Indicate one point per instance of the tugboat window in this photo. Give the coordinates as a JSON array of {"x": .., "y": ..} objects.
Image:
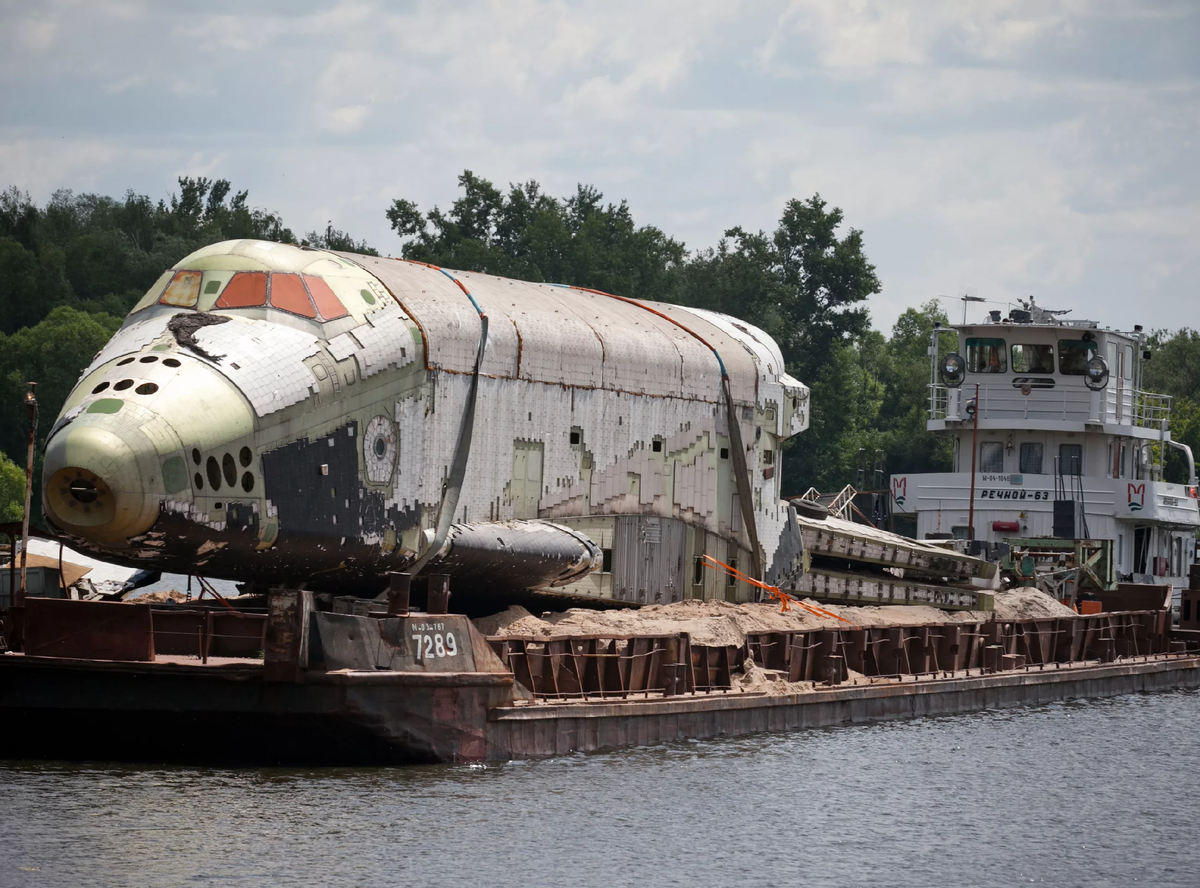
[
  {"x": 1031, "y": 459},
  {"x": 1073, "y": 356},
  {"x": 986, "y": 356},
  {"x": 1070, "y": 459},
  {"x": 991, "y": 456},
  {"x": 1033, "y": 358}
]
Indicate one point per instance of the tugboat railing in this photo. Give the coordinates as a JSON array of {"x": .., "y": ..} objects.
[{"x": 1131, "y": 407}]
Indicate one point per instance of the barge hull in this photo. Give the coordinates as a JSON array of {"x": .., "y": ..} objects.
[
  {"x": 538, "y": 732},
  {"x": 159, "y": 712},
  {"x": 145, "y": 712}
]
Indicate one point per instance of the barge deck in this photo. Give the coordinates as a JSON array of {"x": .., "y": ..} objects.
[{"x": 343, "y": 688}]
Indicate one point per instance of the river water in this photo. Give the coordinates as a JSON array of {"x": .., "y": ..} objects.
[{"x": 1084, "y": 793}]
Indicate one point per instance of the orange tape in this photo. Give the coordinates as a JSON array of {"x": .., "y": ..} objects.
[{"x": 775, "y": 592}]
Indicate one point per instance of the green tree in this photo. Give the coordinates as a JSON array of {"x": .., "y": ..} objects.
[
  {"x": 30, "y": 284},
  {"x": 804, "y": 285},
  {"x": 529, "y": 235},
  {"x": 334, "y": 239},
  {"x": 1175, "y": 370},
  {"x": 99, "y": 254},
  {"x": 905, "y": 405},
  {"x": 12, "y": 491},
  {"x": 846, "y": 396},
  {"x": 52, "y": 353}
]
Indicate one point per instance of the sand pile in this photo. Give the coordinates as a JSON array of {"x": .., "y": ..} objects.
[
  {"x": 709, "y": 622},
  {"x": 754, "y": 679},
  {"x": 159, "y": 598},
  {"x": 725, "y": 623},
  {"x": 1027, "y": 603},
  {"x": 501, "y": 623}
]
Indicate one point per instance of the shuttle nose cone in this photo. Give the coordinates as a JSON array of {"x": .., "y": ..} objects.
[{"x": 97, "y": 485}]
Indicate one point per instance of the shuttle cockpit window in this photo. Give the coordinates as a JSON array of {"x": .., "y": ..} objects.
[
  {"x": 1033, "y": 358},
  {"x": 986, "y": 356},
  {"x": 1073, "y": 356},
  {"x": 304, "y": 295}
]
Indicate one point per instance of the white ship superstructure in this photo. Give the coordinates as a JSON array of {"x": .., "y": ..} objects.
[{"x": 1052, "y": 411}]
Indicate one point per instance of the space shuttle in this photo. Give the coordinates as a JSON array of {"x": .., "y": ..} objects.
[{"x": 286, "y": 416}]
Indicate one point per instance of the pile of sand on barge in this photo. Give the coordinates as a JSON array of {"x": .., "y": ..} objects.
[{"x": 725, "y": 623}]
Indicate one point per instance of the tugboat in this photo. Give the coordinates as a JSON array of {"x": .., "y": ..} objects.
[{"x": 1058, "y": 461}]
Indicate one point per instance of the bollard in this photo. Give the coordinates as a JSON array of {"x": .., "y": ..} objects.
[
  {"x": 835, "y": 669},
  {"x": 993, "y": 658},
  {"x": 439, "y": 594},
  {"x": 670, "y": 673},
  {"x": 399, "y": 590}
]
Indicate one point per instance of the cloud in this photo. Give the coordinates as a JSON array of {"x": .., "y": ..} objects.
[{"x": 1009, "y": 146}]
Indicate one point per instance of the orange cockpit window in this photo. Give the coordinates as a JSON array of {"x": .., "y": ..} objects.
[
  {"x": 183, "y": 291},
  {"x": 245, "y": 289},
  {"x": 288, "y": 293},
  {"x": 328, "y": 304}
]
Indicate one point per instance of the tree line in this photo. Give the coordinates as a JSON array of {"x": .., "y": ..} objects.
[{"x": 70, "y": 270}]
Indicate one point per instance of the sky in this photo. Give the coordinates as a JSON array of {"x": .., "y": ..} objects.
[{"x": 996, "y": 148}]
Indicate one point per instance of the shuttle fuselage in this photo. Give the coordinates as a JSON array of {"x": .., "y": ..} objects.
[{"x": 285, "y": 415}]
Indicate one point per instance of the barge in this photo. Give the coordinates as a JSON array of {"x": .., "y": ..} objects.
[{"x": 378, "y": 684}]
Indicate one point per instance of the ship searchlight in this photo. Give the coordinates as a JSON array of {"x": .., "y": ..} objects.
[
  {"x": 1095, "y": 374},
  {"x": 952, "y": 370}
]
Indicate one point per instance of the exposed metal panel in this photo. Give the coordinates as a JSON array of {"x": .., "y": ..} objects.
[{"x": 648, "y": 559}]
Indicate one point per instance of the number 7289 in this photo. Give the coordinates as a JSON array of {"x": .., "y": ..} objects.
[{"x": 427, "y": 647}]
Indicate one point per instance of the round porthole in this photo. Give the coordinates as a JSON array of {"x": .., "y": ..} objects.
[
  {"x": 199, "y": 479},
  {"x": 170, "y": 362},
  {"x": 245, "y": 457},
  {"x": 247, "y": 482},
  {"x": 196, "y": 455},
  {"x": 149, "y": 359},
  {"x": 227, "y": 465},
  {"x": 146, "y": 388},
  {"x": 380, "y": 446},
  {"x": 125, "y": 361},
  {"x": 101, "y": 387},
  {"x": 122, "y": 385},
  {"x": 214, "y": 473}
]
